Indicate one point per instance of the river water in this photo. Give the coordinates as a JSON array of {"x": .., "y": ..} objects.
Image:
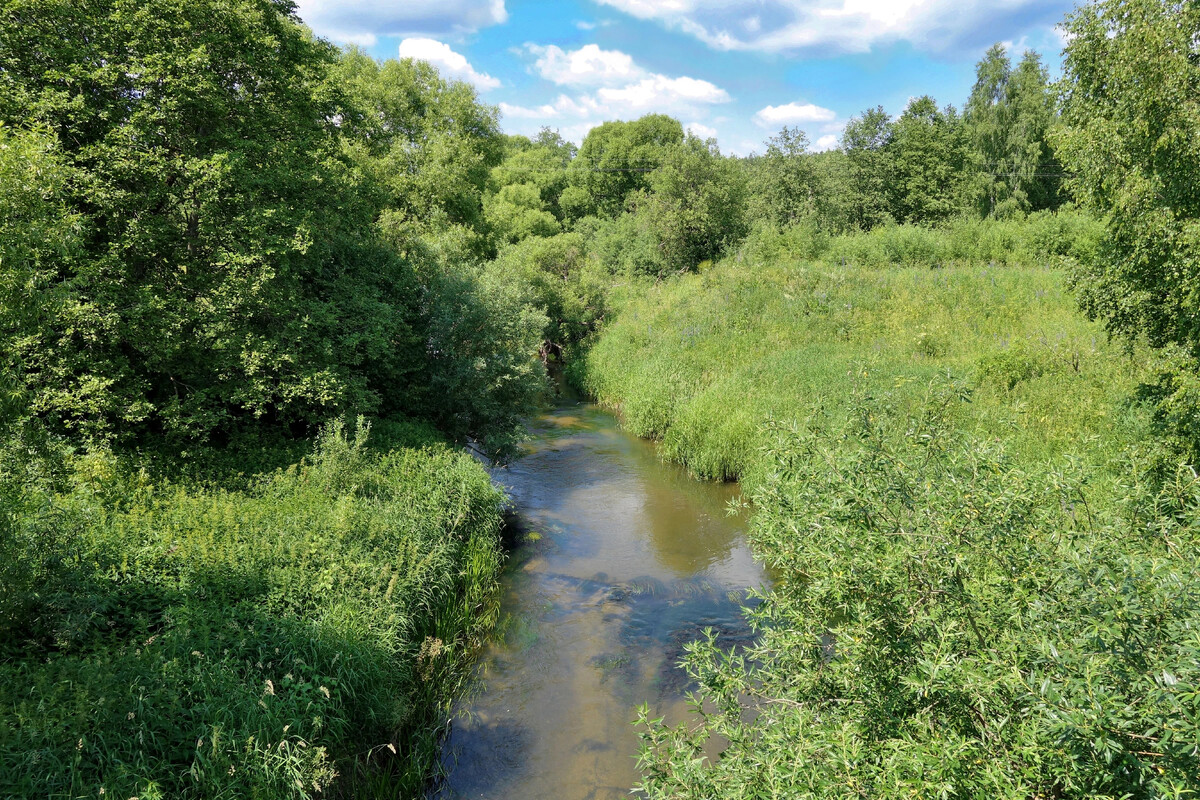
[{"x": 623, "y": 560}]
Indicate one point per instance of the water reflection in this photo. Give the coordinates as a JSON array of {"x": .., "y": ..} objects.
[{"x": 629, "y": 560}]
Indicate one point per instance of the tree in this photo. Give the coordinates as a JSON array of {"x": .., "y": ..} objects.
[
  {"x": 37, "y": 232},
  {"x": 695, "y": 205},
  {"x": 784, "y": 186},
  {"x": 868, "y": 168},
  {"x": 542, "y": 162},
  {"x": 926, "y": 159},
  {"x": 517, "y": 212},
  {"x": 224, "y": 276},
  {"x": 1007, "y": 118},
  {"x": 428, "y": 142},
  {"x": 1131, "y": 140},
  {"x": 615, "y": 161}
]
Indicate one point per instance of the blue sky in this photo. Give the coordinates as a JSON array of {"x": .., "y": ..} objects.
[{"x": 734, "y": 69}]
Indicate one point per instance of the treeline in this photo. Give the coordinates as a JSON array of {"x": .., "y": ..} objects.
[{"x": 645, "y": 199}]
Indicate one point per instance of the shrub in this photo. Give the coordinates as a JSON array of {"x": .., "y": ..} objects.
[{"x": 948, "y": 623}]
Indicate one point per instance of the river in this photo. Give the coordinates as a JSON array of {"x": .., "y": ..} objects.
[{"x": 623, "y": 560}]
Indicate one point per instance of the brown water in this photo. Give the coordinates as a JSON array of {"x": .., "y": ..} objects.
[{"x": 625, "y": 559}]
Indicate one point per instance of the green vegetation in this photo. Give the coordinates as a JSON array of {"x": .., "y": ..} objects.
[
  {"x": 702, "y": 363},
  {"x": 297, "y": 637},
  {"x": 221, "y": 238},
  {"x": 980, "y": 511}
]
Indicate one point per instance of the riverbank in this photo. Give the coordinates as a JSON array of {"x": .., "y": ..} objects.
[
  {"x": 987, "y": 583},
  {"x": 302, "y": 635}
]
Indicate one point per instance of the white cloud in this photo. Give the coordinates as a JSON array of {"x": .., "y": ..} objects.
[
  {"x": 827, "y": 142},
  {"x": 448, "y": 62},
  {"x": 589, "y": 65},
  {"x": 613, "y": 86},
  {"x": 840, "y": 25},
  {"x": 659, "y": 92},
  {"x": 703, "y": 131},
  {"x": 363, "y": 21},
  {"x": 793, "y": 114}
]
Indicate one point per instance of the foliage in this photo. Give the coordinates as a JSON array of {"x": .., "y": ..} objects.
[
  {"x": 426, "y": 140},
  {"x": 226, "y": 280},
  {"x": 561, "y": 279},
  {"x": 868, "y": 174},
  {"x": 36, "y": 231},
  {"x": 1008, "y": 117},
  {"x": 695, "y": 205},
  {"x": 927, "y": 150},
  {"x": 702, "y": 362},
  {"x": 784, "y": 185},
  {"x": 1130, "y": 136},
  {"x": 615, "y": 161},
  {"x": 948, "y": 623},
  {"x": 484, "y": 338},
  {"x": 542, "y": 162},
  {"x": 287, "y": 640}
]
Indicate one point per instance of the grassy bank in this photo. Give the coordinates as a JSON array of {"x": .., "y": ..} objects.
[
  {"x": 986, "y": 583},
  {"x": 703, "y": 361},
  {"x": 301, "y": 636}
]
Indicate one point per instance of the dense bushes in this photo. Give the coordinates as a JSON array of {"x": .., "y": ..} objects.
[
  {"x": 1044, "y": 238},
  {"x": 949, "y": 622},
  {"x": 288, "y": 640}
]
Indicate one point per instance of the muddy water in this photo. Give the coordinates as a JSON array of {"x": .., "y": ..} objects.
[{"x": 624, "y": 560}]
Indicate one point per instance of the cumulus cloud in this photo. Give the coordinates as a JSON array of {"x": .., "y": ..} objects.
[
  {"x": 659, "y": 92},
  {"x": 587, "y": 66},
  {"x": 613, "y": 86},
  {"x": 363, "y": 21},
  {"x": 839, "y": 25},
  {"x": 449, "y": 63},
  {"x": 703, "y": 131},
  {"x": 793, "y": 114},
  {"x": 827, "y": 142}
]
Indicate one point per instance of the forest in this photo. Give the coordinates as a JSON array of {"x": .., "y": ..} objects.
[{"x": 268, "y": 306}]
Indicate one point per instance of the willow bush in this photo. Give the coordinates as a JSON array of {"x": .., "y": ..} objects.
[{"x": 949, "y": 622}]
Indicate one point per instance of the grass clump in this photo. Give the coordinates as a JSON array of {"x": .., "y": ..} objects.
[{"x": 298, "y": 637}]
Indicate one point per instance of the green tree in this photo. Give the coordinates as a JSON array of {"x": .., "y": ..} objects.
[
  {"x": 426, "y": 141},
  {"x": 542, "y": 162},
  {"x": 696, "y": 205},
  {"x": 225, "y": 277},
  {"x": 784, "y": 184},
  {"x": 1131, "y": 139},
  {"x": 616, "y": 160},
  {"x": 1007, "y": 118},
  {"x": 517, "y": 212},
  {"x": 926, "y": 159},
  {"x": 868, "y": 167},
  {"x": 37, "y": 232}
]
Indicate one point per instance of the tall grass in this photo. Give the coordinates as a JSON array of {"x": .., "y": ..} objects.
[
  {"x": 702, "y": 362},
  {"x": 298, "y": 638}
]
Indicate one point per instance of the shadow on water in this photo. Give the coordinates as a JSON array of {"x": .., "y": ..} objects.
[{"x": 623, "y": 560}]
